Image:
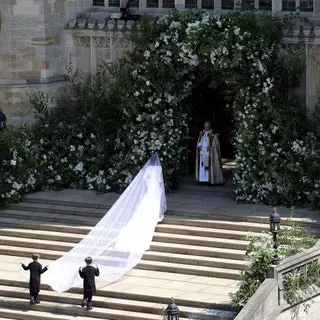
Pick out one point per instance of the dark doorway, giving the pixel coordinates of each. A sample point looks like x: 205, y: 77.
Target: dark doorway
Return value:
x: 213, y: 103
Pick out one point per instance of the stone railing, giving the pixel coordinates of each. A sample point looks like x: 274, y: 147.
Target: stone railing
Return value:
x: 268, y: 302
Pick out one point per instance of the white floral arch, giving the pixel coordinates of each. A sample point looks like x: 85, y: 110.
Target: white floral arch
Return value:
x: 162, y: 73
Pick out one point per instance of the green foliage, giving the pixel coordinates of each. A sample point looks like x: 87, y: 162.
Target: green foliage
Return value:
x: 18, y: 168
x: 299, y: 288
x: 293, y: 239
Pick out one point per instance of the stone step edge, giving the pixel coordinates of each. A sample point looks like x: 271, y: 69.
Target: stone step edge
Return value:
x: 155, y: 246
x: 157, y: 237
x: 166, y: 236
x: 218, y: 214
x: 131, y: 296
x: 160, y: 228
x: 72, y: 210
x: 150, y: 255
x: 58, y: 217
x: 101, y: 302
x: 20, y: 314
x: 65, y: 309
x: 153, y: 265
x: 154, y: 256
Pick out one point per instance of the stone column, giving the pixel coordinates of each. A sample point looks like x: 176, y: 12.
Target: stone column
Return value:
x: 217, y: 5
x: 276, y: 6
x: 316, y: 7
x: 312, y: 76
x: 256, y: 4
x: 142, y: 4
x: 93, y: 55
x: 179, y: 4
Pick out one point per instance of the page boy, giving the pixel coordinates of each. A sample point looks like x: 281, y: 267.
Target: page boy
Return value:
x: 35, y: 274
x: 88, y: 275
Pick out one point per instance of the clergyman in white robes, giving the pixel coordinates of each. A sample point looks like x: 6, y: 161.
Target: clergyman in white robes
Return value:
x: 208, y: 157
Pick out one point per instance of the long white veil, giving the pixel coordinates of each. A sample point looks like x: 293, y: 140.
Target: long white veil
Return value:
x: 118, y: 241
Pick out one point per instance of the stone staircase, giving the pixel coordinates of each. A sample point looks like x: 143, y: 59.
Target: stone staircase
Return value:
x: 198, y: 261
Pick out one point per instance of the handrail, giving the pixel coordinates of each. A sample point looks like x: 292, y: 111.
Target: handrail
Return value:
x: 270, y: 293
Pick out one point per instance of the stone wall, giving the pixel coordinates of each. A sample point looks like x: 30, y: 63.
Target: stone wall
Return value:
x: 33, y: 49
x: 89, y: 49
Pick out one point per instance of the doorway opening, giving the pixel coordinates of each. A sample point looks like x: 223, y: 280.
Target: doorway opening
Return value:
x: 211, y: 102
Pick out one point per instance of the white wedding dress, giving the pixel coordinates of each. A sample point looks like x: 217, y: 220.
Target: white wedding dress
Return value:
x: 147, y: 216
x: 119, y: 240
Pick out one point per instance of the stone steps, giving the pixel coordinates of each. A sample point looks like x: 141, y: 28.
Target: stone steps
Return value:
x: 212, y: 252
x: 187, y: 266
x: 74, y: 220
x: 21, y: 314
x: 51, y: 239
x: 56, y: 232
x: 219, y: 224
x: 50, y: 217
x: 72, y: 310
x: 128, y: 307
x: 58, y: 208
x: 53, y: 200
x: 157, y: 298
x: 196, y: 260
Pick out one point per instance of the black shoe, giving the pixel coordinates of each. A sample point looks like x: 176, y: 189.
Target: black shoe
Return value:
x: 37, y: 301
x: 89, y: 307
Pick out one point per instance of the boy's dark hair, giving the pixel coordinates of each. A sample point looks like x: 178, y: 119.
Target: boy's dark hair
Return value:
x: 88, y: 260
x: 35, y: 256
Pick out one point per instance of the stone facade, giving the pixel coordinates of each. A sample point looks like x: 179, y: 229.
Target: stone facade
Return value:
x: 38, y: 38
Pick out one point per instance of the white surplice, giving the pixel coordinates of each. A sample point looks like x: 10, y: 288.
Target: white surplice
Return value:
x: 204, y: 158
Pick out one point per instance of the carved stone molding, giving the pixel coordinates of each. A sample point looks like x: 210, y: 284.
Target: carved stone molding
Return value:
x: 102, y: 42
x: 82, y: 42
x: 313, y: 52
x: 122, y: 43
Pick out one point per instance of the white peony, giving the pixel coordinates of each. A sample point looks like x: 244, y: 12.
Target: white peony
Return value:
x: 78, y: 167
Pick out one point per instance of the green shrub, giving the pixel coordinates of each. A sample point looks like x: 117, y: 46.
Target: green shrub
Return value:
x: 292, y: 239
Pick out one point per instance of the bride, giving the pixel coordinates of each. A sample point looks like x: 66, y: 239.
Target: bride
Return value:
x: 138, y: 232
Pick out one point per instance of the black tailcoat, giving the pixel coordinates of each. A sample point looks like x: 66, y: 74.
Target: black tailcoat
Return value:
x: 88, y: 275
x: 35, y: 274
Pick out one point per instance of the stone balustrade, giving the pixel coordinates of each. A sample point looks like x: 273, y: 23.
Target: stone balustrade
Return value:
x: 268, y: 301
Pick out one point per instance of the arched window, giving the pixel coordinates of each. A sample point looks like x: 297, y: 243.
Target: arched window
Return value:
x: 306, y: 5
x: 168, y: 3
x: 227, y: 4
x: 98, y: 3
x: 265, y: 5
x: 302, y: 5
x: 207, y: 4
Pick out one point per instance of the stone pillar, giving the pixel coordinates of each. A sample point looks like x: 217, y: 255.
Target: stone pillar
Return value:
x: 217, y: 5
x: 142, y: 4
x: 93, y: 54
x: 276, y: 6
x: 256, y: 4
x: 312, y: 76
x: 316, y: 7
x: 179, y: 4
